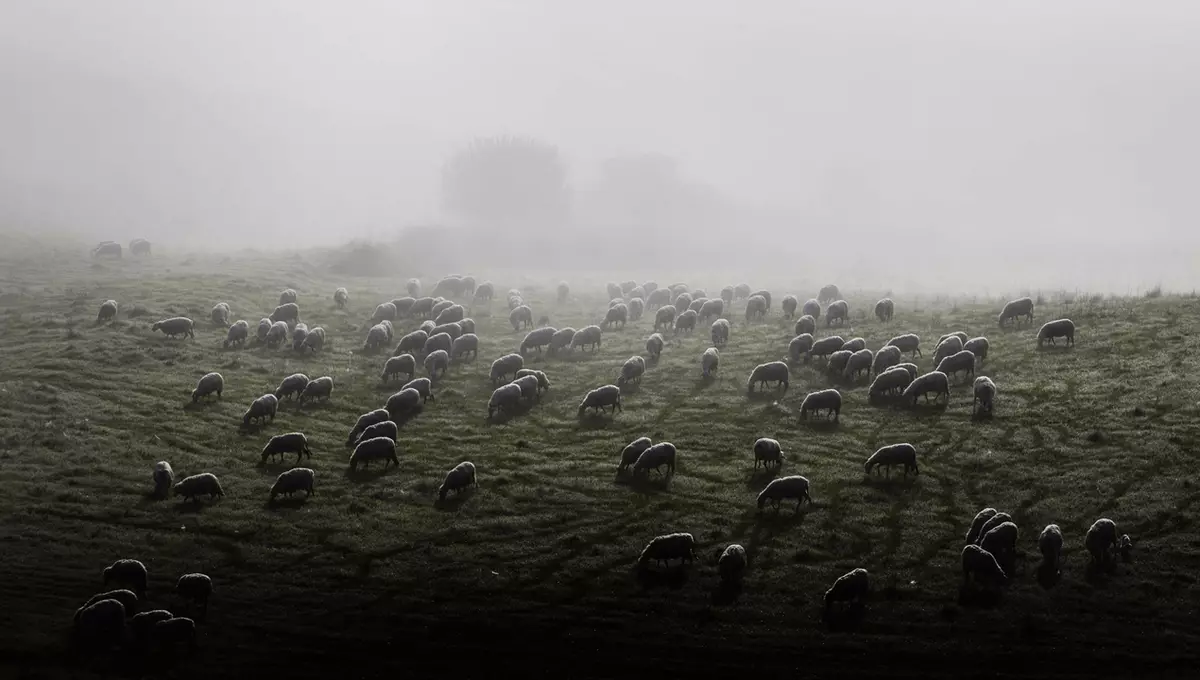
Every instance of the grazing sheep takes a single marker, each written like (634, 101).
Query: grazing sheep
(985, 394)
(101, 624)
(315, 340)
(1060, 328)
(260, 409)
(129, 573)
(768, 453)
(560, 340)
(799, 347)
(377, 337)
(710, 361)
(1050, 544)
(529, 387)
(885, 358)
(141, 624)
(277, 334)
(387, 328)
(467, 326)
(537, 339)
(321, 388)
(741, 291)
(506, 398)
(458, 478)
(981, 566)
(805, 324)
(423, 386)
(720, 332)
(617, 314)
(237, 334)
(441, 342)
(823, 400)
(1101, 539)
(1016, 309)
(128, 599)
(935, 382)
(766, 296)
(958, 334)
(686, 321)
(195, 588)
(852, 586)
(679, 546)
(979, 347)
(450, 285)
(650, 287)
(659, 298)
(505, 366)
(379, 448)
(220, 314)
(858, 363)
(453, 329)
(976, 529)
(402, 403)
(892, 455)
(543, 381)
(774, 371)
(264, 327)
(387, 429)
(464, 345)
(172, 327)
(521, 315)
(403, 307)
(785, 488)
(439, 306)
(854, 344)
(665, 317)
(205, 483)
(366, 420)
(209, 384)
(789, 305)
(588, 336)
(613, 290)
(292, 442)
(698, 304)
(597, 399)
(732, 563)
(413, 287)
(991, 523)
(682, 303)
(727, 295)
(108, 311)
(427, 326)
(340, 297)
(828, 293)
(296, 479)
(889, 382)
(288, 313)
(1001, 541)
(299, 335)
(884, 309)
(107, 249)
(163, 477)
(838, 311)
(422, 307)
(711, 308)
(697, 294)
(948, 347)
(632, 370)
(435, 360)
(287, 296)
(838, 361)
(139, 246)
(451, 313)
(633, 451)
(627, 286)
(654, 345)
(827, 346)
(485, 292)
(293, 384)
(959, 361)
(654, 458)
(637, 307)
(756, 308)
(811, 308)
(911, 368)
(412, 342)
(909, 342)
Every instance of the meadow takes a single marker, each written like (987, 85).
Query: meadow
(537, 564)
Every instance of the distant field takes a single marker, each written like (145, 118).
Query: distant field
(541, 557)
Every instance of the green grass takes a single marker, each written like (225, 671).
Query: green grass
(549, 540)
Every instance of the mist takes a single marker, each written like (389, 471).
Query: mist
(948, 144)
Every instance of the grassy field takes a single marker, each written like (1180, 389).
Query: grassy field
(540, 559)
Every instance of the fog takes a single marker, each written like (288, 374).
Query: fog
(951, 143)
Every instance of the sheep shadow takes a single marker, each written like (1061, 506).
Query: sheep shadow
(981, 415)
(648, 486)
(899, 483)
(760, 478)
(766, 395)
(892, 401)
(1048, 575)
(368, 474)
(630, 388)
(502, 417)
(933, 408)
(192, 507)
(293, 502)
(781, 518)
(725, 593)
(846, 618)
(673, 577)
(979, 598)
(596, 421)
(1098, 573)
(820, 424)
(151, 498)
(453, 502)
(196, 405)
(247, 429)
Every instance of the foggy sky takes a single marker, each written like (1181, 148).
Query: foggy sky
(1061, 121)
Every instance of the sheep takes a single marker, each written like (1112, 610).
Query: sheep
(139, 246)
(450, 285)
(785, 488)
(101, 624)
(237, 334)
(260, 409)
(296, 479)
(837, 361)
(613, 290)
(588, 336)
(823, 400)
(174, 631)
(774, 371)
(467, 326)
(981, 566)
(174, 326)
(909, 342)
(959, 361)
(288, 312)
(859, 362)
(299, 335)
(264, 328)
(440, 306)
(885, 309)
(741, 291)
(1001, 541)
(163, 477)
(387, 429)
(756, 308)
(828, 293)
(885, 358)
(957, 334)
(682, 302)
(435, 360)
(377, 337)
(321, 388)
(379, 448)
(665, 317)
(205, 483)
(195, 587)
(564, 291)
(277, 334)
(976, 529)
(451, 314)
(292, 442)
(413, 287)
(1060, 328)
(1125, 546)
(506, 365)
(720, 332)
(521, 315)
(852, 586)
(633, 451)
(452, 329)
(654, 345)
(108, 311)
(826, 346)
(128, 573)
(366, 420)
(979, 347)
(710, 361)
(799, 347)
(768, 453)
(141, 624)
(890, 381)
(402, 403)
(805, 324)
(1101, 539)
(128, 599)
(464, 345)
(421, 307)
(1050, 543)
(537, 339)
(485, 292)
(441, 342)
(458, 478)
(529, 387)
(637, 307)
(892, 455)
(935, 381)
(403, 307)
(854, 344)
(632, 370)
(698, 304)
(766, 296)
(506, 398)
(789, 305)
(732, 564)
(910, 368)
(727, 295)
(649, 287)
(712, 308)
(984, 394)
(340, 297)
(288, 295)
(107, 249)
(467, 285)
(1015, 309)
(293, 384)
(412, 342)
(686, 322)
(991, 523)
(660, 297)
(948, 347)
(811, 308)
(207, 385)
(678, 546)
(597, 399)
(423, 386)
(560, 340)
(387, 328)
(617, 314)
(543, 381)
(838, 311)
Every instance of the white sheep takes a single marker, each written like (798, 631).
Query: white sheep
(892, 455)
(654, 345)
(771, 372)
(991, 523)
(854, 344)
(340, 297)
(403, 307)
(720, 332)
(948, 347)
(260, 409)
(413, 286)
(521, 315)
(909, 342)
(296, 479)
(1101, 539)
(811, 308)
(682, 302)
(824, 400)
(1001, 541)
(894, 379)
(563, 292)
(561, 340)
(387, 429)
(838, 311)
(529, 387)
(402, 403)
(543, 381)
(289, 312)
(727, 295)
(963, 361)
(205, 483)
(129, 573)
(1015, 309)
(377, 337)
(637, 307)
(789, 304)
(686, 321)
(665, 317)
(505, 366)
(293, 384)
(366, 420)
(1050, 543)
(712, 308)
(885, 358)
(858, 363)
(826, 346)
(404, 363)
(211, 383)
(318, 389)
(678, 546)
(588, 336)
(174, 326)
(799, 347)
(617, 314)
(438, 342)
(910, 368)
(768, 453)
(412, 342)
(537, 339)
(785, 488)
(805, 324)
(220, 314)
(980, 566)
(632, 371)
(976, 529)
(884, 309)
(141, 623)
(756, 308)
(506, 398)
(655, 457)
(422, 307)
(439, 359)
(732, 564)
(288, 295)
(277, 334)
(299, 335)
(853, 586)
(742, 291)
(597, 399)
(237, 334)
(458, 478)
(485, 292)
(979, 347)
(292, 442)
(633, 451)
(466, 344)
(108, 311)
(379, 448)
(958, 334)
(697, 304)
(985, 394)
(934, 382)
(1059, 328)
(451, 314)
(828, 293)
(101, 624)
(163, 477)
(452, 329)
(837, 362)
(264, 327)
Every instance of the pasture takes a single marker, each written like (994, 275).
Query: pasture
(540, 558)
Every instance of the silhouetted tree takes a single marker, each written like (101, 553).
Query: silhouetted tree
(507, 181)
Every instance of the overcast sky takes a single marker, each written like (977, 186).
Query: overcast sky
(1039, 118)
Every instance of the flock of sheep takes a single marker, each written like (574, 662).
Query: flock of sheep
(446, 335)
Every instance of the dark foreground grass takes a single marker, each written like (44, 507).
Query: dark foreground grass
(535, 568)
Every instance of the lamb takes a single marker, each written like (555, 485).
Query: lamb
(852, 586)
(720, 332)
(859, 362)
(108, 311)
(756, 308)
(264, 327)
(293, 384)
(296, 479)
(129, 573)
(506, 398)
(633, 451)
(935, 382)
(892, 380)
(712, 308)
(838, 311)
(741, 291)
(1016, 309)
(789, 305)
(768, 453)
(340, 297)
(543, 381)
(732, 564)
(654, 345)
(637, 307)
(412, 342)
(379, 448)
(537, 339)
(299, 335)
(800, 346)
(665, 317)
(366, 420)
(485, 292)
(237, 334)
(805, 324)
(727, 295)
(885, 358)
(440, 342)
(387, 429)
(823, 400)
(292, 442)
(985, 394)
(981, 566)
(659, 298)
(260, 409)
(617, 314)
(1060, 328)
(854, 344)
(774, 371)
(1101, 539)
(686, 322)
(435, 360)
(588, 336)
(1001, 542)
(101, 624)
(209, 384)
(174, 326)
(205, 483)
(453, 329)
(277, 334)
(520, 316)
(892, 455)
(1050, 544)
(828, 293)
(909, 342)
(506, 365)
(220, 314)
(560, 340)
(163, 477)
(991, 523)
(607, 395)
(981, 519)
(288, 295)
(884, 309)
(678, 546)
(403, 307)
(948, 347)
(564, 291)
(289, 312)
(529, 387)
(959, 361)
(710, 360)
(632, 370)
(402, 403)
(458, 478)
(837, 362)
(785, 488)
(464, 345)
(826, 346)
